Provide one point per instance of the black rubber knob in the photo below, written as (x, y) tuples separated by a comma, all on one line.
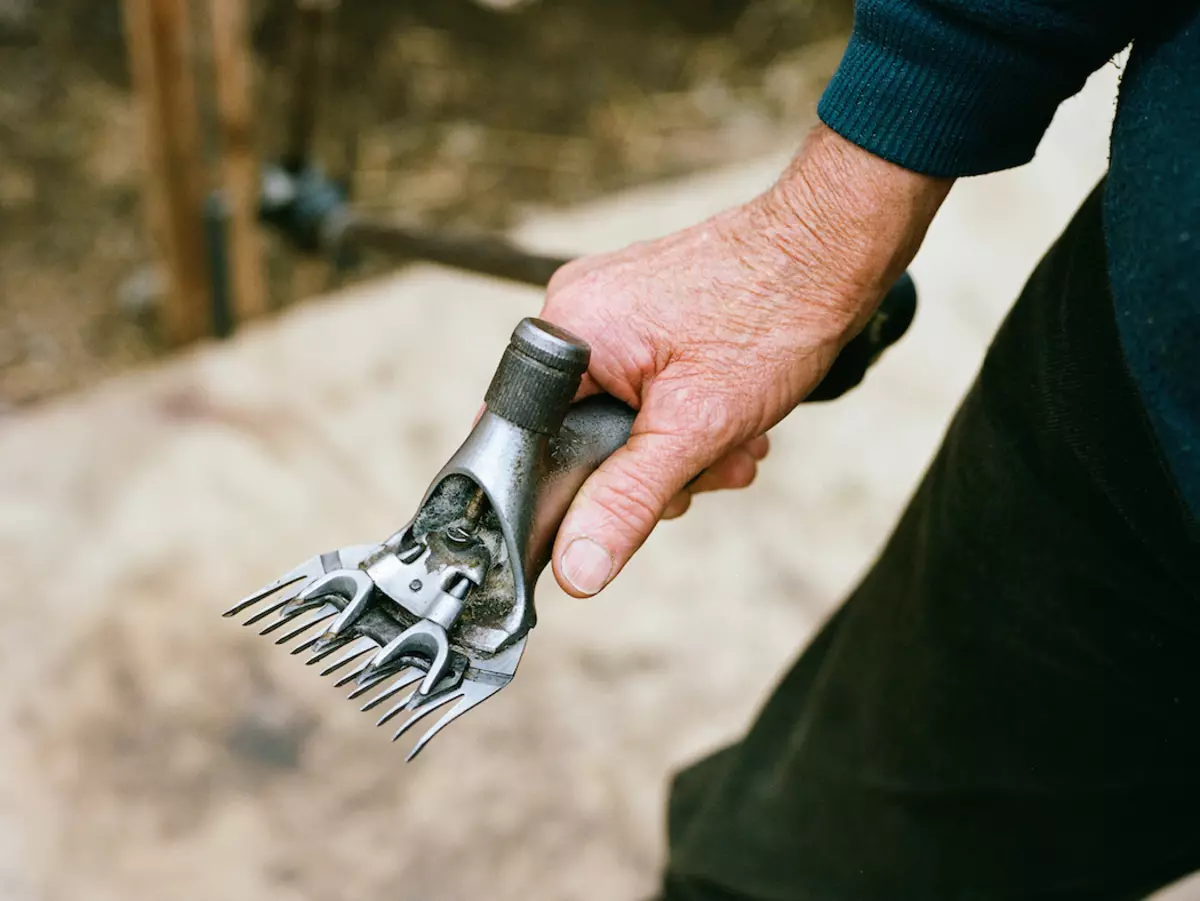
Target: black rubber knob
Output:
[(538, 376)]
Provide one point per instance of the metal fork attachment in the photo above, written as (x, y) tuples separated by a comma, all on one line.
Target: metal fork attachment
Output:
[(437, 616)]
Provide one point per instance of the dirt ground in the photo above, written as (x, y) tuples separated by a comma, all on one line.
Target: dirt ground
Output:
[(441, 109)]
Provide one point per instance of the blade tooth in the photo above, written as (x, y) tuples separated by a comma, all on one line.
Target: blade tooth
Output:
[(354, 607), (425, 638), (471, 696), (262, 593), (398, 707), (352, 675), (322, 615), (364, 646), (332, 648), (296, 605), (392, 649), (284, 619), (349, 614), (426, 707), (399, 685), (307, 643), (342, 661), (294, 616), (372, 681), (323, 652), (265, 612)]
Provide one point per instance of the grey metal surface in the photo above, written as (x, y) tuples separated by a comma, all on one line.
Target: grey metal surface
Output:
[(538, 376)]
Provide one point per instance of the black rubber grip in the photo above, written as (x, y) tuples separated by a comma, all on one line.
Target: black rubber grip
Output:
[(538, 376), (888, 325)]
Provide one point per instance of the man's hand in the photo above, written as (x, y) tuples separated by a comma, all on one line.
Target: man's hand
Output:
[(715, 333)]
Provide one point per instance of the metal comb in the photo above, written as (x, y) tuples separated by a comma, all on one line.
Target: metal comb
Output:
[(436, 617)]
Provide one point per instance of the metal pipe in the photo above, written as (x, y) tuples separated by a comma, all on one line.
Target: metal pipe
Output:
[(484, 254)]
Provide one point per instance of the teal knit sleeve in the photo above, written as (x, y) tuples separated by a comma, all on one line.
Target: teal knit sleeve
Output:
[(963, 87)]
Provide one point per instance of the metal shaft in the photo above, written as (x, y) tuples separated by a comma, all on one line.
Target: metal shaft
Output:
[(484, 254)]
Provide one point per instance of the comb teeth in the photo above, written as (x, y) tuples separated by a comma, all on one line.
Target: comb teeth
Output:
[(290, 579), (406, 703), (328, 648), (293, 617), (423, 708), (399, 685), (357, 648), (467, 696), (307, 644), (323, 614), (266, 611), (353, 675), (370, 682)]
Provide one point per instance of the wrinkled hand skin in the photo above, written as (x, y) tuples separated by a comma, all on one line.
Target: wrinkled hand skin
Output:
[(717, 332)]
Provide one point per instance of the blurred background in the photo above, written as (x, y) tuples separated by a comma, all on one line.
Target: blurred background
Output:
[(151, 473), (456, 113)]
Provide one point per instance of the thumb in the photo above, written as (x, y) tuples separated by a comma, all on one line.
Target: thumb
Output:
[(620, 503)]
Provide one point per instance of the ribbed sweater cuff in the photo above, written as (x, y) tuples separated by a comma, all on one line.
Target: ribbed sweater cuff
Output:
[(942, 97)]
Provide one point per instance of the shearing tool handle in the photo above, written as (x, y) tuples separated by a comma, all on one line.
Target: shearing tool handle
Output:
[(543, 364), (540, 445)]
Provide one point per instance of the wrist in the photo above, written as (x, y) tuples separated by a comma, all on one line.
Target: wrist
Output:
[(851, 220)]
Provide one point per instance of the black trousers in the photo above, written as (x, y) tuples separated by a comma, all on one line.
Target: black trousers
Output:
[(1008, 706)]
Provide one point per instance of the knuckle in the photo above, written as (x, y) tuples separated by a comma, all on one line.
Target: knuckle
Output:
[(566, 274), (569, 304)]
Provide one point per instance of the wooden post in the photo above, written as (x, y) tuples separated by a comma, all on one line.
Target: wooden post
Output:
[(308, 61), (309, 56), (233, 73), (157, 35)]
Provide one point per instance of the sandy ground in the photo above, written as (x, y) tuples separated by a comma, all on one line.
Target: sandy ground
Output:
[(154, 751)]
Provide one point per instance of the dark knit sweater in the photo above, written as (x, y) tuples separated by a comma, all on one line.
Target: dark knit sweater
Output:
[(964, 87)]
